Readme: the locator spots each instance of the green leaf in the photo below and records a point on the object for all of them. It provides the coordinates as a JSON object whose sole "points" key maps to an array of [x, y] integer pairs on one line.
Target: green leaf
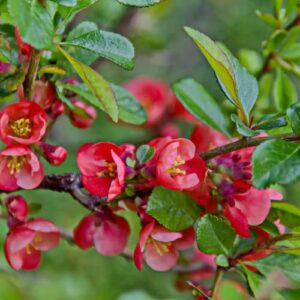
{"points": [[293, 113], [239, 86], [81, 29], [200, 103], [222, 261], [291, 52], [34, 22], [106, 44], [67, 13], [243, 245], [139, 3], [284, 91], [130, 110], [271, 122], [242, 128], [174, 210], [287, 263], [97, 84], [254, 280], [286, 207], [144, 153], [214, 235], [69, 3], [275, 162], [251, 60]]}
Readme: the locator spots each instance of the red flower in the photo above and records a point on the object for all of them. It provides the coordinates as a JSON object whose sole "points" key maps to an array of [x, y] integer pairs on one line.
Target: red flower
{"points": [[179, 167], [55, 155], [103, 171], [161, 246], [19, 167], [24, 243], [82, 121], [25, 50], [250, 208], [154, 95], [23, 122], [17, 207], [109, 233]]}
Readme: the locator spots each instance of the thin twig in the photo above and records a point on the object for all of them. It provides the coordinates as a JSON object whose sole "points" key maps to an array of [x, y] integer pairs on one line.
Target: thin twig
{"points": [[31, 74], [217, 281]]}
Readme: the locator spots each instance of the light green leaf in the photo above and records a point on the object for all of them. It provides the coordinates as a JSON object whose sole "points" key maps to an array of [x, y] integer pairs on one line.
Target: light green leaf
{"points": [[106, 44], [284, 91], [97, 84], [286, 207], [254, 280], [239, 86], [144, 153], [174, 210], [243, 129], [287, 263], [34, 22], [214, 235], [275, 162], [69, 3], [200, 103], [139, 3]]}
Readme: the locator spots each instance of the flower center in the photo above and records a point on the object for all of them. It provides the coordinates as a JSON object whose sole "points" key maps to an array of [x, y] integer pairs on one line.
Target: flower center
{"points": [[21, 127], [174, 170], [111, 170], [14, 163], [160, 247]]}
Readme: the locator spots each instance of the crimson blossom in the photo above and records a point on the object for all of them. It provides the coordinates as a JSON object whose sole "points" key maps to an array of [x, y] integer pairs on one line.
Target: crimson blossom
{"points": [[102, 169], [107, 231], [19, 168], [23, 122], [161, 246], [178, 166], [24, 243]]}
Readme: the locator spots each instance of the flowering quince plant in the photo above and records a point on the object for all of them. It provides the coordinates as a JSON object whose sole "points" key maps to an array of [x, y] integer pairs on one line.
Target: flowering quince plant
{"points": [[209, 202]]}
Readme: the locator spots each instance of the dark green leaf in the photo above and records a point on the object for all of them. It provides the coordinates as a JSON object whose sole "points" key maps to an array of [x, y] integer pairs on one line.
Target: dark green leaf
{"points": [[200, 103], [97, 84], [274, 162], [130, 110], [243, 245], [106, 44], [34, 22], [139, 3], [68, 12], [287, 263], [293, 113], [144, 153], [239, 86], [242, 128], [175, 210], [214, 235], [284, 91], [271, 122]]}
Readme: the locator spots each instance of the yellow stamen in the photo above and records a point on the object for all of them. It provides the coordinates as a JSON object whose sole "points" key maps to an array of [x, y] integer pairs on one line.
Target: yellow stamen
{"points": [[111, 170], [160, 247], [174, 170], [21, 127], [14, 163]]}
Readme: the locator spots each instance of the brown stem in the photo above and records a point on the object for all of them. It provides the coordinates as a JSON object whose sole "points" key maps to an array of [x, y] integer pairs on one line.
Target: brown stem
{"points": [[217, 281], [31, 74], [44, 2], [243, 143]]}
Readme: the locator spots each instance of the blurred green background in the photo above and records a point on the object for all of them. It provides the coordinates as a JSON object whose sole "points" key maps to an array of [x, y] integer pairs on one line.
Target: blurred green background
{"points": [[164, 51]]}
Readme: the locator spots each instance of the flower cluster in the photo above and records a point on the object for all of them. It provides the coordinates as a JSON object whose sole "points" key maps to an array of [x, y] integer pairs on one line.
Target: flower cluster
{"points": [[26, 239]]}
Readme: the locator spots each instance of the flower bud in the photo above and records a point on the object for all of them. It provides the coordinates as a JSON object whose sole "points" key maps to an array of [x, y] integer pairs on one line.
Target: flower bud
{"points": [[17, 207], [55, 155], [82, 121], [57, 109], [25, 50]]}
